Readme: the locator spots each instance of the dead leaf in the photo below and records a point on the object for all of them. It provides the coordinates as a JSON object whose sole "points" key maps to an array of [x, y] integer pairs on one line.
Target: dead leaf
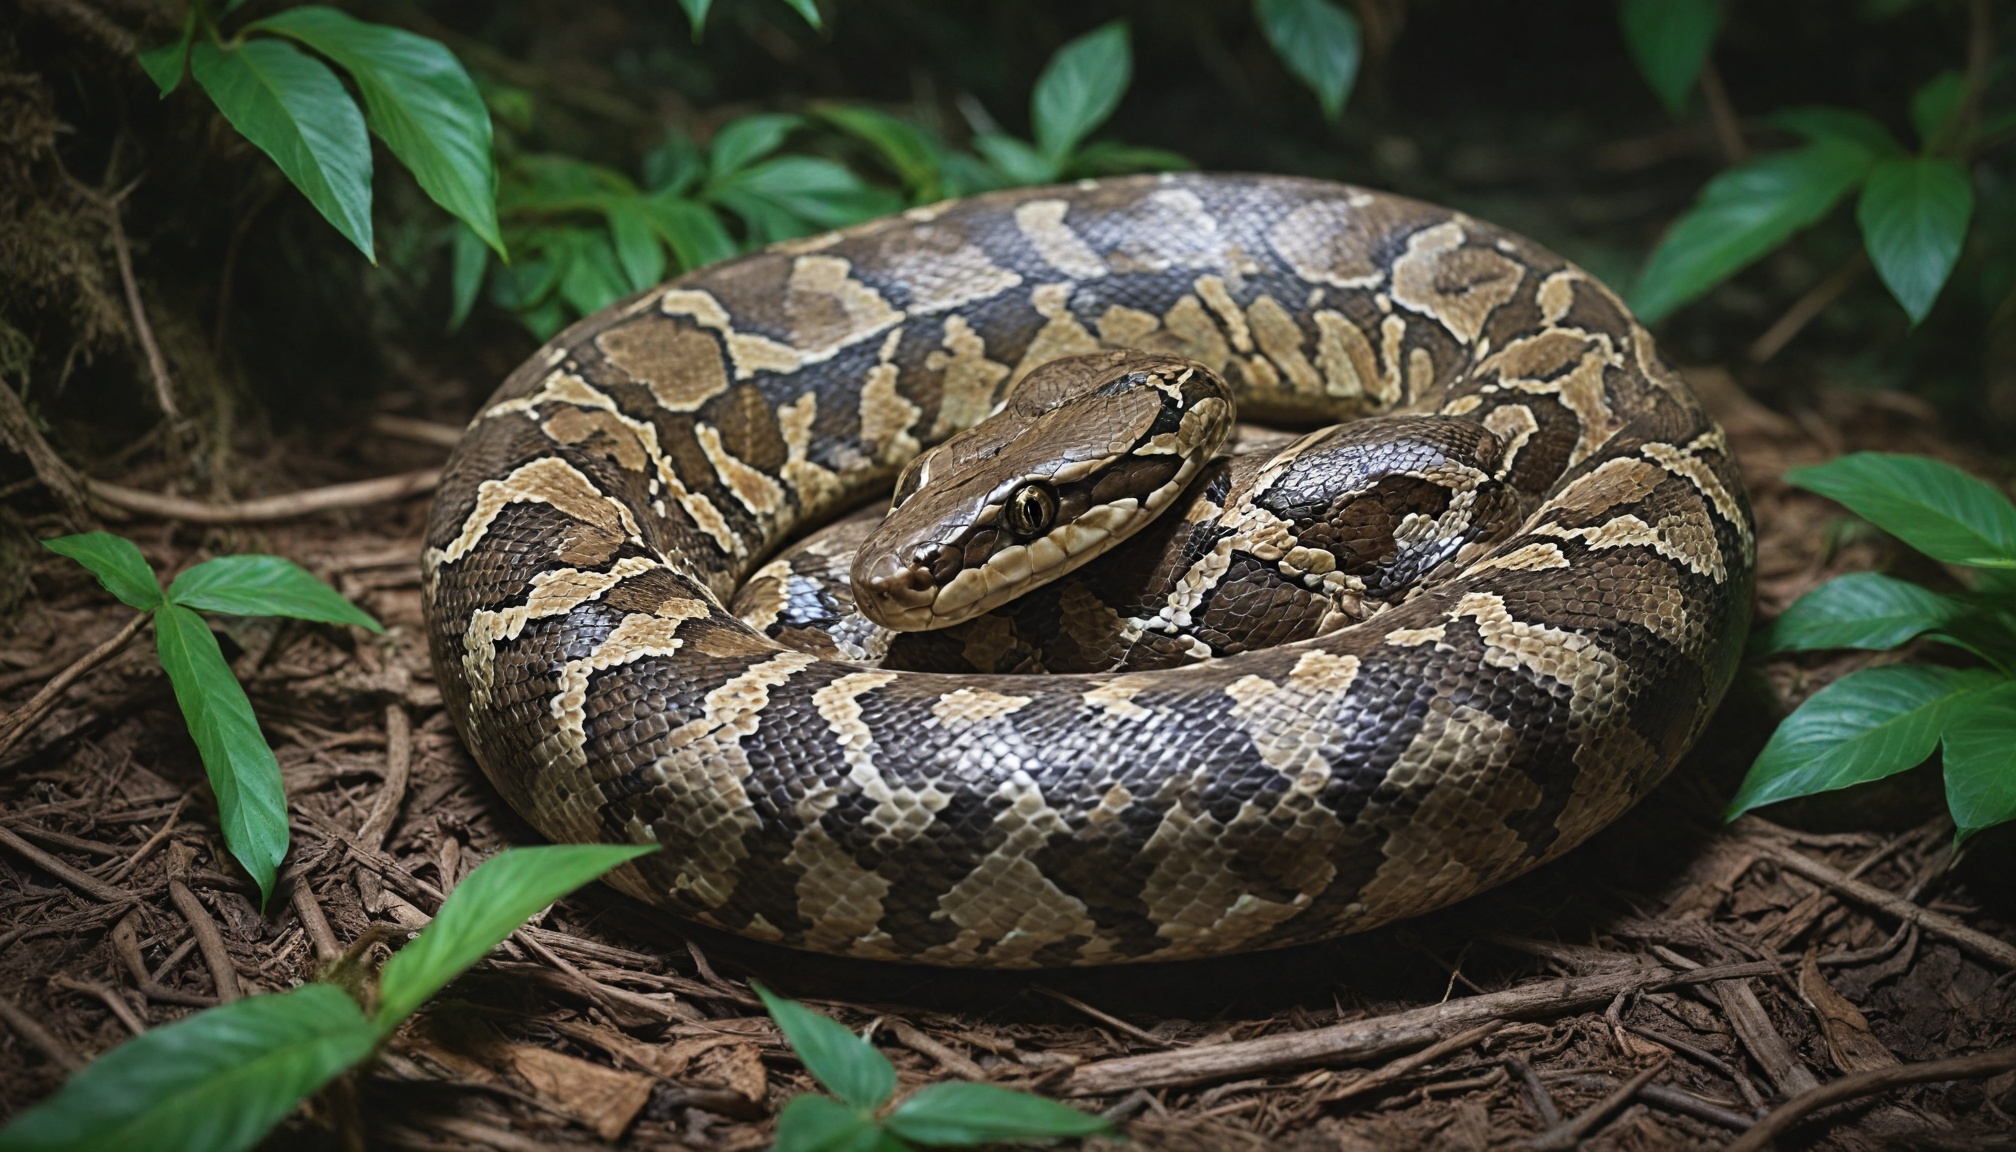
{"points": [[1849, 1042], [736, 1067], [604, 1099]]}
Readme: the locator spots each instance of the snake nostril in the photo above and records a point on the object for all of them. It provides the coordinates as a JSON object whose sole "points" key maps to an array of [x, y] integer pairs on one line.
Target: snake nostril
{"points": [[935, 564]]}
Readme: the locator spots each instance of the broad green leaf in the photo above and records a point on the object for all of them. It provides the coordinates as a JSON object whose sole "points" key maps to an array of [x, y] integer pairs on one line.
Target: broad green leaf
{"points": [[1864, 726], [1020, 163], [1860, 610], [637, 248], [1080, 88], [1914, 214], [251, 801], [419, 100], [294, 109], [256, 585], [1980, 759], [164, 65], [1936, 106], [745, 141], [485, 908], [692, 229], [116, 562], [216, 1081], [809, 9], [696, 14], [469, 260], [1106, 158], [592, 279], [1824, 122], [1670, 40], [811, 189], [847, 1065], [908, 151], [1743, 214], [674, 166], [957, 1114], [823, 1124], [1928, 504], [1319, 43]]}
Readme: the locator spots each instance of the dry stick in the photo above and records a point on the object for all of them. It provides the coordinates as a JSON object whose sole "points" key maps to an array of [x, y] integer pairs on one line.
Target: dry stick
{"points": [[422, 431], [1866, 1083], [1686, 1103], [313, 921], [1753, 1026], [164, 391], [147, 849], [398, 767], [215, 956], [1387, 1074], [1542, 1100], [126, 943], [352, 495], [1808, 307], [18, 431], [31, 1030], [1728, 130], [1137, 1032], [949, 1059], [1380, 1036], [42, 703], [1569, 1134], [1976, 943], [111, 999], [608, 996], [89, 885]]}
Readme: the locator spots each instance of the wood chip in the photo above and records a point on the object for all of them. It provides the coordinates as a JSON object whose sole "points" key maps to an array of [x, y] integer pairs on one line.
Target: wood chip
{"points": [[1850, 1043], [603, 1099]]}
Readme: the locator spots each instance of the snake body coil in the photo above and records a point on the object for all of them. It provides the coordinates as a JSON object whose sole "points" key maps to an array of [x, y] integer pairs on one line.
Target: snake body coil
{"points": [[610, 498]]}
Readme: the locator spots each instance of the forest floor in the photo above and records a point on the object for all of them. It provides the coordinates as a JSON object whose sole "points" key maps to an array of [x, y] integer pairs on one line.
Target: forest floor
{"points": [[1662, 986]]}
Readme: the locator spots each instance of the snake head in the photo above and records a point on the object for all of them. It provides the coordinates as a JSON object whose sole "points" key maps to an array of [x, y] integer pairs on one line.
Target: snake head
{"points": [[1084, 452]]}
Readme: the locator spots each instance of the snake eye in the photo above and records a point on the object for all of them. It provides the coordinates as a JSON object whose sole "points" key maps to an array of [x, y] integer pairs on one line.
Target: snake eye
{"points": [[1031, 509]]}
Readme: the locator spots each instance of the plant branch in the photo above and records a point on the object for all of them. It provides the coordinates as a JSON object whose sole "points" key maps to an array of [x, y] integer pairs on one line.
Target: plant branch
{"points": [[1866, 1083], [1728, 129], [301, 503], [1808, 307], [18, 431], [1979, 944], [30, 714]]}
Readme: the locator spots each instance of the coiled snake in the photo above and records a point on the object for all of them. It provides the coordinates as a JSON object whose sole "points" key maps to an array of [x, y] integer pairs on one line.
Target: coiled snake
{"points": [[606, 504]]}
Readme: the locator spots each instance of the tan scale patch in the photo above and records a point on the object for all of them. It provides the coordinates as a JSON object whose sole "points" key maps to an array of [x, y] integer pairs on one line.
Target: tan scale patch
{"points": [[1684, 463], [1415, 637], [1556, 295], [816, 486], [548, 480], [1005, 908], [572, 426], [554, 593], [829, 309], [1199, 338], [964, 707], [1458, 286], [1280, 338], [1527, 558], [1592, 674], [1124, 327], [638, 636], [1061, 335], [1344, 355], [887, 416], [752, 487], [1688, 539], [939, 280], [1212, 290], [680, 365], [1514, 425], [967, 378], [1042, 224]]}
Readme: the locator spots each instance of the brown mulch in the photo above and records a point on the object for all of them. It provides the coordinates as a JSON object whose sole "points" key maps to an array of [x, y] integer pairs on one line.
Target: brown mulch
{"points": [[1663, 986]]}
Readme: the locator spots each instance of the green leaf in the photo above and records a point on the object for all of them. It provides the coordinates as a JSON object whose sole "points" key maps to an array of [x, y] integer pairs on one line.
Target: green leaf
{"points": [[592, 278], [956, 1113], [823, 1124], [745, 141], [1020, 163], [1860, 610], [469, 260], [164, 65], [1936, 106], [215, 1081], [116, 562], [419, 100], [1864, 726], [847, 1065], [1080, 88], [692, 229], [1928, 504], [251, 801], [775, 196], [637, 248], [1914, 214], [1106, 158], [809, 9], [256, 585], [294, 109], [908, 151], [1824, 122], [1319, 43], [1743, 214], [485, 908], [674, 166], [696, 14], [1670, 40], [1980, 759]]}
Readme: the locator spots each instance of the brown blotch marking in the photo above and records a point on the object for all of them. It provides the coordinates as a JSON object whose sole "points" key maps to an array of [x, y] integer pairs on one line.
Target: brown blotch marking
{"points": [[679, 363], [967, 379], [600, 432], [1459, 286], [1336, 242], [749, 428]]}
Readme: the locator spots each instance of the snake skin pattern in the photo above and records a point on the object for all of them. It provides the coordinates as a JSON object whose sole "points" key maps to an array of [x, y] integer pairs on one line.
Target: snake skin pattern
{"points": [[607, 502]]}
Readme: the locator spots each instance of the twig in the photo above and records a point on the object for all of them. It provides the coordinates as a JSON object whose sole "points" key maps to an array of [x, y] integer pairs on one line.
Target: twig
{"points": [[423, 431], [1808, 307], [42, 703], [18, 431], [1753, 1026], [1388, 1073], [1693, 1052], [126, 944], [1864, 1084], [90, 20], [1728, 130], [948, 1058], [398, 767], [31, 1030], [313, 921], [157, 365], [112, 1000], [147, 849], [89, 885], [1381, 1036], [353, 495], [1112, 1021], [1570, 1133], [1686, 1103], [1536, 1092], [215, 956], [1969, 940]]}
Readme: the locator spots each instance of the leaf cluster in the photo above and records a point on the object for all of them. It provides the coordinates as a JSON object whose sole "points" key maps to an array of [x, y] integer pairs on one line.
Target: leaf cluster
{"points": [[1880, 721]]}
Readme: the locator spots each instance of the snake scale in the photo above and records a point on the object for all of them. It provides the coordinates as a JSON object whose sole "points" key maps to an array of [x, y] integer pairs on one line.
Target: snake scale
{"points": [[610, 498]]}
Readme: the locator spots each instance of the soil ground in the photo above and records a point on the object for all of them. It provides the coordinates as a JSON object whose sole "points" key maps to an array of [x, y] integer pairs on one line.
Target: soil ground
{"points": [[610, 1025]]}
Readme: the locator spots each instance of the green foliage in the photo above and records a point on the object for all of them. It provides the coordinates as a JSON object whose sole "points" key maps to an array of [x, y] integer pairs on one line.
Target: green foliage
{"points": [[1880, 721], [289, 104], [219, 1080], [696, 13], [251, 802], [940, 1115], [1079, 89], [1914, 209], [1320, 44], [1669, 40]]}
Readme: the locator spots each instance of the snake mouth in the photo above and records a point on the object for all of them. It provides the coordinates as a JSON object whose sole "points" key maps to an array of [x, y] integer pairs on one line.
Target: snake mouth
{"points": [[898, 593]]}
